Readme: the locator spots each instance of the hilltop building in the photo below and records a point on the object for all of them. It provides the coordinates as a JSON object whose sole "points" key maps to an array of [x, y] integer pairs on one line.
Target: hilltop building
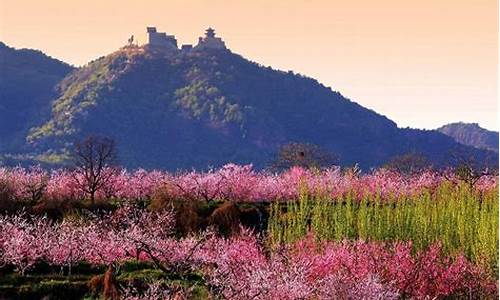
{"points": [[161, 39], [210, 41]]}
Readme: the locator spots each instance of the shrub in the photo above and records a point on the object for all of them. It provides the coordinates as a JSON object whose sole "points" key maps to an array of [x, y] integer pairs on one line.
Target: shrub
{"points": [[463, 220]]}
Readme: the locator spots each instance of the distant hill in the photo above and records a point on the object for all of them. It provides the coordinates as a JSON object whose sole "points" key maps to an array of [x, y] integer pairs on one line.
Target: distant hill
{"points": [[194, 109], [471, 134], [27, 87]]}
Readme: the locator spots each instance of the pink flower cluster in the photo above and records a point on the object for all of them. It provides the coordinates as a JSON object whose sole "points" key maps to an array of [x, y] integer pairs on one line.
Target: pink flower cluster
{"points": [[231, 182], [26, 240], [348, 270], [241, 267]]}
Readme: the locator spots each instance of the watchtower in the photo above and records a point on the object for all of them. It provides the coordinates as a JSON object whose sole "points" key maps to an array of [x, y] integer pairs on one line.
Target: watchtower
{"points": [[160, 39]]}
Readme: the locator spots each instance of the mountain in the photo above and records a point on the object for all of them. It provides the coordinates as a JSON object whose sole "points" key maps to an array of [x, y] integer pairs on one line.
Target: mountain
{"points": [[471, 134], [27, 87], [206, 107]]}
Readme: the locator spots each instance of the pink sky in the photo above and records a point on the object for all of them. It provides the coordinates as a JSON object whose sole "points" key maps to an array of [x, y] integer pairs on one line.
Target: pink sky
{"points": [[421, 63]]}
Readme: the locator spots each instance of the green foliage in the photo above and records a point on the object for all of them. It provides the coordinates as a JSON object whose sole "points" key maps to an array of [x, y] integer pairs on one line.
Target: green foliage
{"points": [[53, 158], [144, 275], [461, 219], [80, 92], [199, 100]]}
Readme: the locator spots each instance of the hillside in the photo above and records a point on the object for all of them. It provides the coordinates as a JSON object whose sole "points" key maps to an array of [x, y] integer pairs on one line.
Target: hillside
{"points": [[27, 87], [471, 134], [195, 109]]}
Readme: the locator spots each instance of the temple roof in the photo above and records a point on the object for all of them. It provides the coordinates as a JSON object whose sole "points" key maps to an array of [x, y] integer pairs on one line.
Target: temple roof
{"points": [[210, 32]]}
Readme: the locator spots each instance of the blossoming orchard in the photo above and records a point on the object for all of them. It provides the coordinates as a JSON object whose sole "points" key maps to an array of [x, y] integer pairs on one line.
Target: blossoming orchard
{"points": [[237, 233]]}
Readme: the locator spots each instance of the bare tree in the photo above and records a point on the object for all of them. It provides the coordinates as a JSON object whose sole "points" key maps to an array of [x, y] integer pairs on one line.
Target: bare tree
{"points": [[36, 185], [303, 155], [409, 163], [94, 161], [469, 169]]}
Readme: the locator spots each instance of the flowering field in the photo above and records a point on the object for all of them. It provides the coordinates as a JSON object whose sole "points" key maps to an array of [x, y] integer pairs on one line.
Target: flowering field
{"points": [[329, 234], [230, 183]]}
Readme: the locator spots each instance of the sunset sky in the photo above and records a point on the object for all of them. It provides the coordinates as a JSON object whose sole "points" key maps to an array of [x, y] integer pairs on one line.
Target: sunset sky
{"points": [[421, 63]]}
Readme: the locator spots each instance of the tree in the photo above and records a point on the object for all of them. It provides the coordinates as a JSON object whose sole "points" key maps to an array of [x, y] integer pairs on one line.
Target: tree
{"points": [[409, 163], [94, 160], [34, 183], [303, 155], [469, 169]]}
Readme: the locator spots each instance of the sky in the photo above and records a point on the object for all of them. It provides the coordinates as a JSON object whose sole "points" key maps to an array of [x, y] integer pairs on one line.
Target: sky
{"points": [[420, 63]]}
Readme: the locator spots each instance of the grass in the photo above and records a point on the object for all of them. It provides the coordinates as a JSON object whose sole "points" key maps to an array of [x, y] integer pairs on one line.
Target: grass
{"points": [[461, 219], [58, 286], [15, 286]]}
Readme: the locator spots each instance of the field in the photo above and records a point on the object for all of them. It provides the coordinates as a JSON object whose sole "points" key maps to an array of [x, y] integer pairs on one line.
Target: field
{"points": [[235, 233]]}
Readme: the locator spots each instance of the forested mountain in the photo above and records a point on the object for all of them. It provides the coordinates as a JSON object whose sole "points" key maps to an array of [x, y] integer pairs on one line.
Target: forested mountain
{"points": [[471, 134], [199, 108], [27, 87]]}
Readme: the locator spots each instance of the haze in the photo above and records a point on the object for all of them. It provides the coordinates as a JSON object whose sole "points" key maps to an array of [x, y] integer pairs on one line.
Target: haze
{"points": [[421, 63]]}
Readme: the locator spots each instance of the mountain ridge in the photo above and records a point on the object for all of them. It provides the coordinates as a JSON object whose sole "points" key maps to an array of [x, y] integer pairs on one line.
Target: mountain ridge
{"points": [[229, 109], [471, 134], [27, 85], [207, 107]]}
